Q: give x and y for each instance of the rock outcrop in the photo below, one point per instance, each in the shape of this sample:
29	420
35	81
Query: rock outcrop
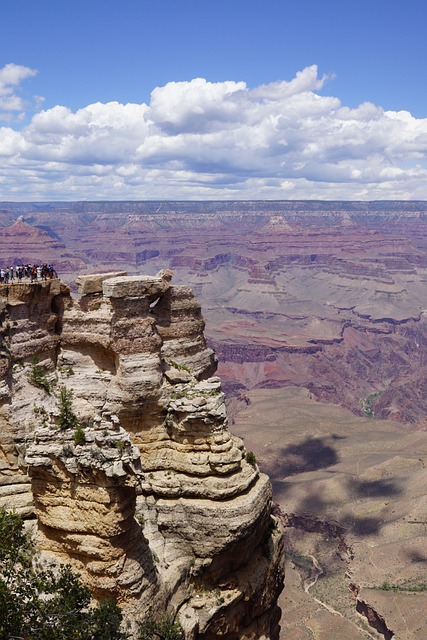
114	433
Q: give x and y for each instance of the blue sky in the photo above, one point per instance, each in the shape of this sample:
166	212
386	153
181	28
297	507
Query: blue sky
257	136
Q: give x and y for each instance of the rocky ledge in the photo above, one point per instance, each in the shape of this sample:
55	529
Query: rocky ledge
114	434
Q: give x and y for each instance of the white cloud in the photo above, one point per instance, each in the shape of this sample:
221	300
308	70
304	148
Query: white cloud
12	143
195	106
11	76
304	81
204	140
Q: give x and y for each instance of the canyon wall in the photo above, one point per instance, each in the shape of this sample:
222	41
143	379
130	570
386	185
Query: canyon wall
114	434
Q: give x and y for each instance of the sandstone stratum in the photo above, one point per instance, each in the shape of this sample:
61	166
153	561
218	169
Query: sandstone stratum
114	437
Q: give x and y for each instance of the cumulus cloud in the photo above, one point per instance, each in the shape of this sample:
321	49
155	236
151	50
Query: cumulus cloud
207	140
11	76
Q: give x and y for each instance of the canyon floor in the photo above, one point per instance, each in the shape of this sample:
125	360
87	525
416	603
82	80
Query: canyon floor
353	490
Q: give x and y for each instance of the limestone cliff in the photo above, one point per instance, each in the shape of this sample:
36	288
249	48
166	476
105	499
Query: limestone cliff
114	433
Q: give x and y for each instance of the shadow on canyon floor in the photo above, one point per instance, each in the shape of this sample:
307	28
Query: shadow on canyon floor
416	556
360	526
316	454
312	454
374	488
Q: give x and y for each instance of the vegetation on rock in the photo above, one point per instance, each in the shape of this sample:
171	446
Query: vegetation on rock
67	419
46	605
250	457
38	376
411	586
368	404
163	629
180	367
79	435
42	414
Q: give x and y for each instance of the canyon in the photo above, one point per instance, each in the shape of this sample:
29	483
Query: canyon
316	312
329	296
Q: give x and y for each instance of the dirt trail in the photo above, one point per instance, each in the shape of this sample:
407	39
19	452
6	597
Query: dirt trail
318	571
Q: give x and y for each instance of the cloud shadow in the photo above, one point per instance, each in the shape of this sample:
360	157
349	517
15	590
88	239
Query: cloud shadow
374	488
310	455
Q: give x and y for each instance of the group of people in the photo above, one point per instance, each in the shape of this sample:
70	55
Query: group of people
32	272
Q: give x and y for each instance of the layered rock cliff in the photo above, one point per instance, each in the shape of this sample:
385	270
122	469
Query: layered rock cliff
114	434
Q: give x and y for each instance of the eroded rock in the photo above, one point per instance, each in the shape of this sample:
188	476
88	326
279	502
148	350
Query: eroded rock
140	486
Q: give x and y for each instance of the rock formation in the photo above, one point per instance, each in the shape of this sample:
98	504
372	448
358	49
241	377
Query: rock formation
114	433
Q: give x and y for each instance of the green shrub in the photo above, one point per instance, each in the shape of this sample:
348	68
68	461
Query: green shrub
176	365
79	435
38	376
42	414
250	457
368	404
410	586
162	629
67	419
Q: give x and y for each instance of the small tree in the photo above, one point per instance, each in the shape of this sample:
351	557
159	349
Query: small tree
38	376
67	419
79	435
